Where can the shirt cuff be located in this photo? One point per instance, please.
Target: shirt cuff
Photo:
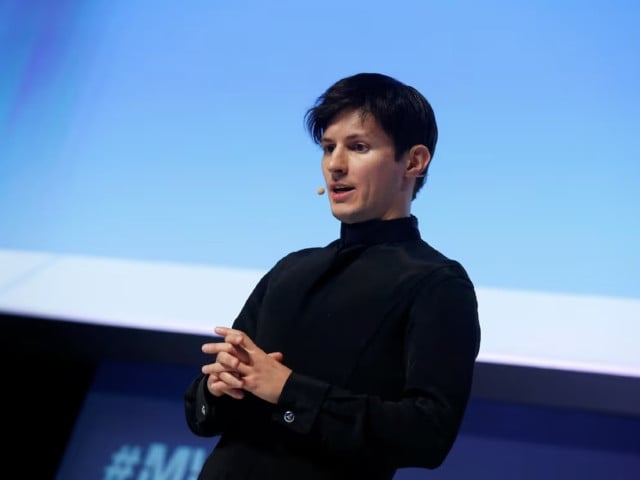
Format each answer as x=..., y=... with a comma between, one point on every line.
x=204, y=400
x=299, y=403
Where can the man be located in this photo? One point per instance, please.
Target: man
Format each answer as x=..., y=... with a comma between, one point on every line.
x=354, y=359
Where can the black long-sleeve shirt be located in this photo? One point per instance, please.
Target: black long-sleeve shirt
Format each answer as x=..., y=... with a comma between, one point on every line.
x=381, y=332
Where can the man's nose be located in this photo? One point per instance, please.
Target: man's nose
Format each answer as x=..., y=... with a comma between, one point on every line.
x=338, y=161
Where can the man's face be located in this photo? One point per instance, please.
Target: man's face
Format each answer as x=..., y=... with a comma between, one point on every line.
x=364, y=181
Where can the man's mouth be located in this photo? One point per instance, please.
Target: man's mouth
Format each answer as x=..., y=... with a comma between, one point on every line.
x=341, y=188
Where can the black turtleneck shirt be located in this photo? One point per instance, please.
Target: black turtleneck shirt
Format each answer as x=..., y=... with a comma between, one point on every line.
x=381, y=331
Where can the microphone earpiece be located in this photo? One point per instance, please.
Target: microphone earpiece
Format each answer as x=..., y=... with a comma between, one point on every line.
x=320, y=191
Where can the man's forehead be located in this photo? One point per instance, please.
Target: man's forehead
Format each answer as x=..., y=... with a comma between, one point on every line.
x=353, y=123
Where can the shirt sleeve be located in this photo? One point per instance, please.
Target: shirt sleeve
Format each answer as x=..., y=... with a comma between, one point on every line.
x=207, y=415
x=442, y=342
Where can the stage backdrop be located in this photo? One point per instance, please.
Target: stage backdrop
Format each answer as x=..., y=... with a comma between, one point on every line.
x=132, y=428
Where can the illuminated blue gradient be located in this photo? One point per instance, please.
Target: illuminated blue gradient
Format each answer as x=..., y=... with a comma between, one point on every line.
x=174, y=131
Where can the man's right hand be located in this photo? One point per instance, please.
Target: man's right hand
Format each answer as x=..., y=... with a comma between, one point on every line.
x=224, y=378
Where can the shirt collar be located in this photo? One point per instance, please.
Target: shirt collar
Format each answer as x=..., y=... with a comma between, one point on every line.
x=374, y=232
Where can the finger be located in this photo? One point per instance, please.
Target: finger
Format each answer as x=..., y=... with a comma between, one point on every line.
x=220, y=388
x=213, y=369
x=227, y=360
x=224, y=331
x=261, y=360
x=277, y=356
x=216, y=387
x=231, y=379
x=221, y=383
x=230, y=357
x=209, y=369
x=217, y=347
x=236, y=337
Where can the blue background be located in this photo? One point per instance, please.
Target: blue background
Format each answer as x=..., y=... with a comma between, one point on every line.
x=165, y=131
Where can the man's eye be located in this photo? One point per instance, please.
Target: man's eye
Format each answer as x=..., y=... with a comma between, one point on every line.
x=360, y=147
x=328, y=148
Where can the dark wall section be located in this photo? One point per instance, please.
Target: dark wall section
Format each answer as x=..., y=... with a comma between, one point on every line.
x=48, y=366
x=43, y=390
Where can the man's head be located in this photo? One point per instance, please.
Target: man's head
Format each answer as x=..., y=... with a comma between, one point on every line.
x=393, y=115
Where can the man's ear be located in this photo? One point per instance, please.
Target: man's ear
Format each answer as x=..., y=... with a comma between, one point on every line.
x=417, y=161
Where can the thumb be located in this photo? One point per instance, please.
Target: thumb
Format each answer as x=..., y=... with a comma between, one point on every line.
x=276, y=356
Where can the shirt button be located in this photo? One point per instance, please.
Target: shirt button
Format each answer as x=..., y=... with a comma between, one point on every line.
x=289, y=416
x=204, y=410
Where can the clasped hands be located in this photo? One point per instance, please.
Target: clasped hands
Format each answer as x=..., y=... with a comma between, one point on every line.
x=243, y=366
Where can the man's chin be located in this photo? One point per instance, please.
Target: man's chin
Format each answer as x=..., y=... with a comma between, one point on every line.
x=348, y=216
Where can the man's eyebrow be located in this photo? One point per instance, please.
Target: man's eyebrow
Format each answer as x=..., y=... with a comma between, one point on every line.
x=353, y=136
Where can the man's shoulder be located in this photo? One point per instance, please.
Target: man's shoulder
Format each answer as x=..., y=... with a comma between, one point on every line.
x=433, y=262
x=422, y=252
